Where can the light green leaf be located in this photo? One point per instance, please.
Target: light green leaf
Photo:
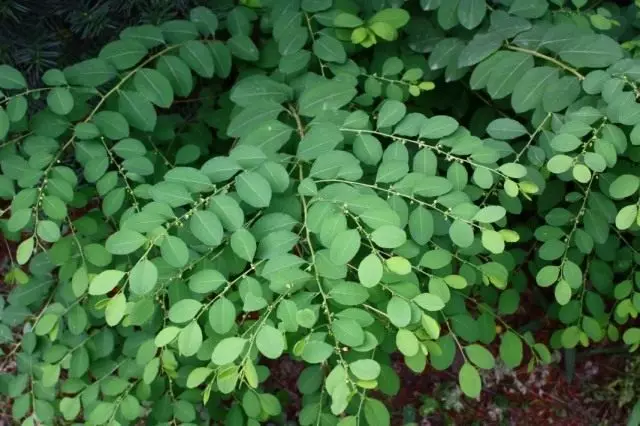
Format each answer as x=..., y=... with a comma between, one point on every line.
x=124, y=241
x=389, y=236
x=470, y=381
x=227, y=350
x=222, y=315
x=270, y=342
x=143, y=277
x=365, y=369
x=429, y=302
x=184, y=310
x=480, y=356
x=105, y=281
x=624, y=186
x=370, y=271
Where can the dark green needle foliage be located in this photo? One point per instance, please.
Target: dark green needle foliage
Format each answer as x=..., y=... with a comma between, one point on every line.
x=333, y=183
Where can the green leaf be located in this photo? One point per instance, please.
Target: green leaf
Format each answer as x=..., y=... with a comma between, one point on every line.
x=253, y=189
x=243, y=48
x=461, y=233
x=389, y=236
x=480, y=356
x=624, y=186
x=91, y=73
x=166, y=336
x=221, y=58
x=123, y=54
x=511, y=349
x=143, y=277
x=376, y=413
x=438, y=127
x=115, y=309
x=190, y=339
x=147, y=35
x=48, y=231
x=490, y=214
x=60, y=100
x=344, y=246
x=421, y=225
x=492, y=241
x=222, y=315
x=154, y=86
x=480, y=47
x=429, y=302
x=227, y=350
x=198, y=57
x=325, y=96
x=171, y=193
x=365, y=369
x=391, y=112
x=206, y=227
x=124, y=241
x=507, y=73
x=349, y=294
x=396, y=18
x=174, y=251
x=270, y=342
x=177, y=73
x=529, y=8
x=25, y=250
x=138, y=111
x=562, y=292
x=626, y=217
x=206, y=21
x=370, y=271
x=243, y=244
x=591, y=51
x=179, y=31
x=559, y=163
x=399, y=312
x=316, y=351
x=505, y=129
x=184, y=310
x=105, y=281
x=329, y=49
x=347, y=20
x=471, y=13
x=470, y=381
x=112, y=125
x=348, y=332
x=398, y=265
x=10, y=78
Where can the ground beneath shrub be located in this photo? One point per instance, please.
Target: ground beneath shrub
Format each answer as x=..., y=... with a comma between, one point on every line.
x=543, y=397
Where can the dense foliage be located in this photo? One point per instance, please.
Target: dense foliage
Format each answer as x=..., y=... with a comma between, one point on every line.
x=335, y=182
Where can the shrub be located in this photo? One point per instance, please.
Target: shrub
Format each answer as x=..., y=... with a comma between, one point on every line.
x=206, y=199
